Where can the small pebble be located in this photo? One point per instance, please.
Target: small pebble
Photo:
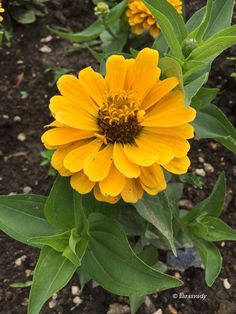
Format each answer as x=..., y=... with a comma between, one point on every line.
x=52, y=304
x=226, y=284
x=17, y=118
x=25, y=302
x=5, y=116
x=200, y=172
x=222, y=244
x=45, y=49
x=46, y=39
x=19, y=260
x=27, y=189
x=77, y=300
x=208, y=167
x=149, y=304
x=159, y=311
x=21, y=137
x=201, y=159
x=186, y=204
x=28, y=272
x=75, y=290
x=117, y=308
x=94, y=284
x=214, y=146
x=177, y=275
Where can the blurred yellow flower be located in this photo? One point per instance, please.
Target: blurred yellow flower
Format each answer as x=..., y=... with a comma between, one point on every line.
x=141, y=19
x=115, y=134
x=1, y=11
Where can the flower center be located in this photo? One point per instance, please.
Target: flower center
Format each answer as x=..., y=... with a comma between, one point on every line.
x=119, y=118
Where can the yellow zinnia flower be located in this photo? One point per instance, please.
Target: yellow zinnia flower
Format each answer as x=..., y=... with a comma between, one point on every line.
x=1, y=11
x=114, y=134
x=141, y=19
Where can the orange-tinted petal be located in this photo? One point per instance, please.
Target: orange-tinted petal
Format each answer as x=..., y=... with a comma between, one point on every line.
x=97, y=165
x=81, y=183
x=114, y=183
x=178, y=165
x=123, y=164
x=94, y=84
x=159, y=90
x=115, y=72
x=104, y=198
x=74, y=161
x=145, y=72
x=132, y=191
x=62, y=136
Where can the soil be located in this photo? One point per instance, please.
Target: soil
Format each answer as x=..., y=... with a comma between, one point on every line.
x=24, y=93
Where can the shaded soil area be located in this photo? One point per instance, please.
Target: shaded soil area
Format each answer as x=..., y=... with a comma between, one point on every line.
x=24, y=93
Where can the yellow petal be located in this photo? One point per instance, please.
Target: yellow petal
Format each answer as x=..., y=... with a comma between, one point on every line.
x=82, y=122
x=97, y=165
x=115, y=72
x=71, y=88
x=102, y=198
x=153, y=142
x=123, y=164
x=74, y=161
x=94, y=84
x=141, y=154
x=114, y=183
x=81, y=183
x=129, y=74
x=185, y=131
x=171, y=117
x=178, y=165
x=58, y=159
x=179, y=146
x=153, y=177
x=132, y=191
x=159, y=90
x=62, y=136
x=146, y=72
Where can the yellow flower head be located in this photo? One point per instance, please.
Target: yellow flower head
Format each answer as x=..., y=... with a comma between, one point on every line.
x=1, y=11
x=115, y=134
x=141, y=19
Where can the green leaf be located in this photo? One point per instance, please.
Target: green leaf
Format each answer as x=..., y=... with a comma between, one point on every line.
x=135, y=303
x=157, y=211
x=160, y=45
x=58, y=241
x=59, y=207
x=168, y=31
x=215, y=44
x=211, y=259
x=21, y=284
x=221, y=16
x=22, y=217
x=171, y=67
x=199, y=32
x=174, y=192
x=214, y=229
x=211, y=122
x=89, y=33
x=212, y=205
x=80, y=212
x=112, y=263
x=191, y=178
x=170, y=13
x=24, y=16
x=193, y=87
x=52, y=273
x=204, y=97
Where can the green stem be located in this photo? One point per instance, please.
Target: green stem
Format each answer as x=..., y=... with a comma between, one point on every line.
x=108, y=29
